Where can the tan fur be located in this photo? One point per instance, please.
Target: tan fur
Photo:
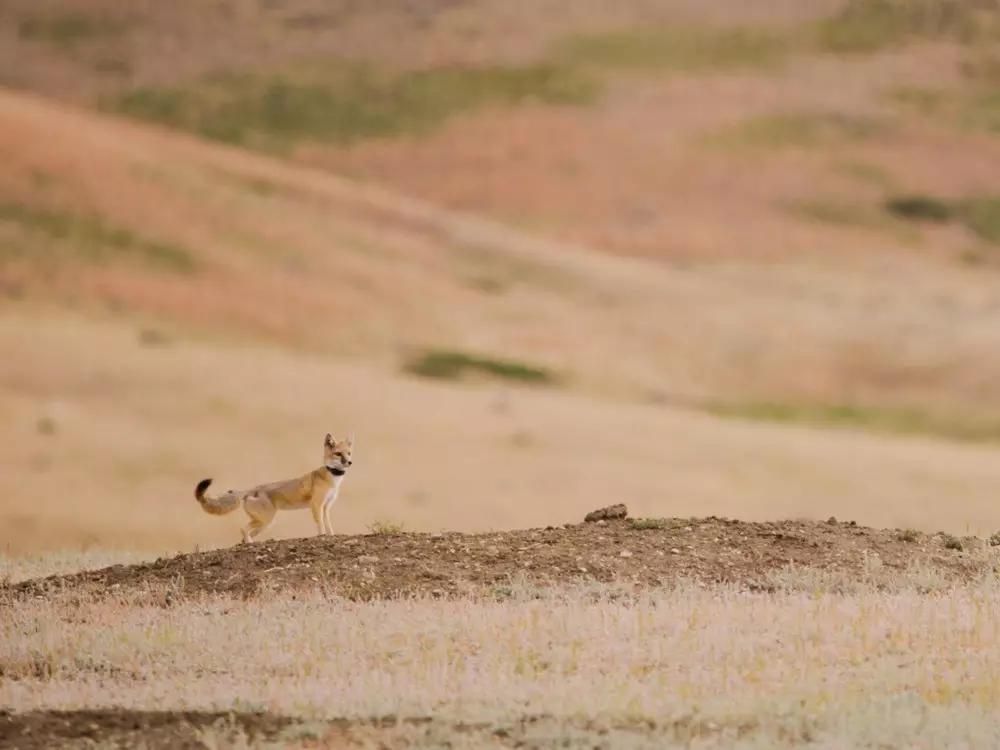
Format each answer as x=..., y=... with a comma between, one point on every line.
x=316, y=490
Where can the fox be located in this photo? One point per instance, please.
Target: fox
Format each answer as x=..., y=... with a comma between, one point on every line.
x=316, y=490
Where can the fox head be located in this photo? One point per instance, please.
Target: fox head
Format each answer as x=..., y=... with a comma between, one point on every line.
x=337, y=454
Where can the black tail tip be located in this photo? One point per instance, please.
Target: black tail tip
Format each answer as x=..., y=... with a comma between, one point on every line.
x=202, y=486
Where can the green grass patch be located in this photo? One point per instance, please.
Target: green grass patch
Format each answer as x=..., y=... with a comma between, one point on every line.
x=677, y=49
x=345, y=102
x=81, y=237
x=982, y=111
x=452, y=365
x=865, y=172
x=980, y=214
x=841, y=212
x=385, y=527
x=925, y=101
x=864, y=26
x=982, y=217
x=920, y=208
x=800, y=130
x=851, y=214
x=885, y=419
x=644, y=524
x=68, y=30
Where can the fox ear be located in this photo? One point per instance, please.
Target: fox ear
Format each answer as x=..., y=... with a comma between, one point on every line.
x=328, y=440
x=350, y=439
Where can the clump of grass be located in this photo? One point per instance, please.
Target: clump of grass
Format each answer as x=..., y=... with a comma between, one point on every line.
x=927, y=101
x=644, y=524
x=908, y=535
x=980, y=214
x=920, y=208
x=952, y=542
x=864, y=26
x=840, y=212
x=88, y=238
x=994, y=539
x=871, y=174
x=800, y=130
x=384, y=527
x=982, y=111
x=452, y=365
x=345, y=102
x=68, y=30
x=678, y=49
x=894, y=420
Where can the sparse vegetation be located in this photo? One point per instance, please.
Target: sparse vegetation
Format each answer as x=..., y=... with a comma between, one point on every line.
x=452, y=365
x=47, y=235
x=927, y=101
x=920, y=208
x=952, y=542
x=648, y=523
x=980, y=214
x=384, y=527
x=799, y=130
x=68, y=30
x=846, y=213
x=909, y=535
x=982, y=112
x=871, y=25
x=343, y=102
x=895, y=420
x=865, y=172
x=679, y=49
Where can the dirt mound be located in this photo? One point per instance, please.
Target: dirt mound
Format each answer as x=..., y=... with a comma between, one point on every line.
x=643, y=551
x=41, y=730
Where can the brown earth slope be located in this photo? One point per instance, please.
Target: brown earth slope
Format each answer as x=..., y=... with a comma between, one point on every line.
x=640, y=552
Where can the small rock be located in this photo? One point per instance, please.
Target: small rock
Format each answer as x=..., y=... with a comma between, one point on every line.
x=625, y=553
x=602, y=522
x=831, y=520
x=675, y=551
x=612, y=512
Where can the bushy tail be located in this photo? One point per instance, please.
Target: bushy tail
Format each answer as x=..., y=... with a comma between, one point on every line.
x=217, y=506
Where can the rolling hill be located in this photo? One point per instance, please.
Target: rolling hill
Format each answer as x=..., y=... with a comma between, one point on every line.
x=533, y=262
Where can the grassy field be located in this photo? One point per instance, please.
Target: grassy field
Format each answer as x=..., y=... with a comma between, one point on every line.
x=884, y=659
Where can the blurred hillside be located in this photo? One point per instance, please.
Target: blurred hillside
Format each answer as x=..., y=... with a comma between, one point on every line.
x=656, y=216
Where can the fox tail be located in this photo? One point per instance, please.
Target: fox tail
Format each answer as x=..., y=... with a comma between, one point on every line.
x=216, y=506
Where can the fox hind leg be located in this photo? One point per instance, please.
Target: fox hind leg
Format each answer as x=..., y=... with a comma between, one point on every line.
x=261, y=512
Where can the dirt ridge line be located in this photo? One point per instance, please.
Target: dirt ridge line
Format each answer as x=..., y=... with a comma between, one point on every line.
x=646, y=552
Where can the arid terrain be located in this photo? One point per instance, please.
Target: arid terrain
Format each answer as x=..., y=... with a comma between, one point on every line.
x=733, y=265
x=459, y=629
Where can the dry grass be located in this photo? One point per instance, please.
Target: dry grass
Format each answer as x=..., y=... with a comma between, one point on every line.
x=877, y=662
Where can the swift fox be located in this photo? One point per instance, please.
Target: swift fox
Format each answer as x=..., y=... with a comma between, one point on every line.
x=316, y=490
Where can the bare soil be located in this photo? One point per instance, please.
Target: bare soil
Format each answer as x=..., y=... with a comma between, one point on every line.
x=639, y=551
x=38, y=730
